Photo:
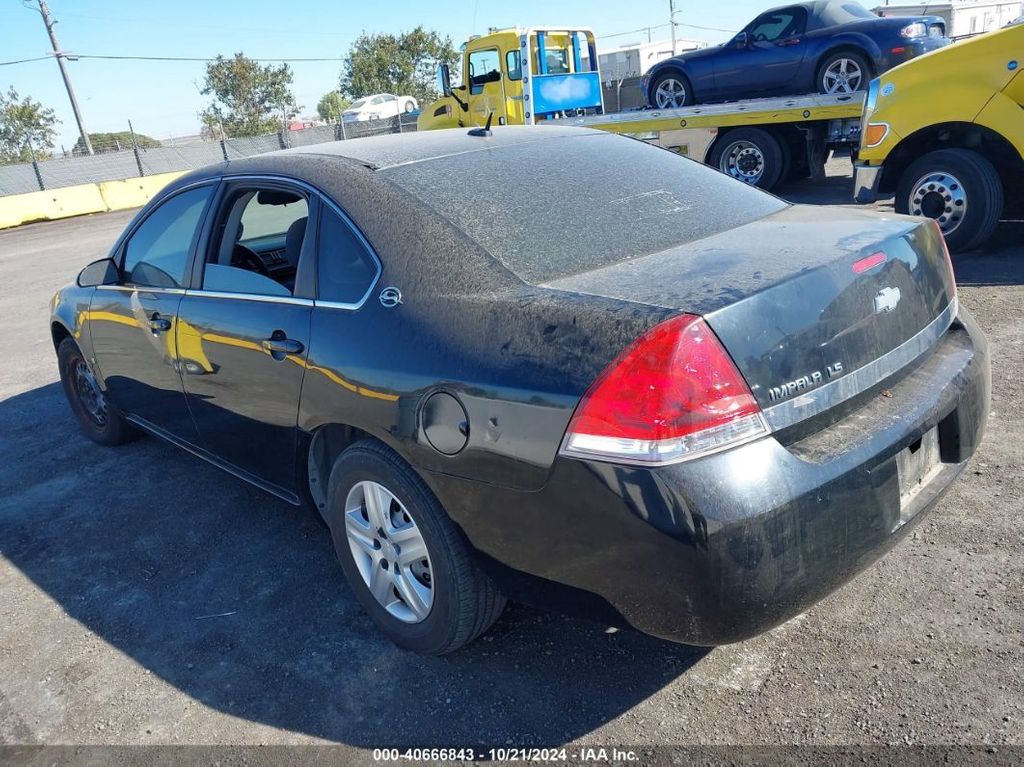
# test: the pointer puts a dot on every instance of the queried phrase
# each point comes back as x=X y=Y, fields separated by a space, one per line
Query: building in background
x=963 y=17
x=635 y=59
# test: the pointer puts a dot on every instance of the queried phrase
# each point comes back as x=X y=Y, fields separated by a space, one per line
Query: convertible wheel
x=404 y=558
x=98 y=419
x=843 y=72
x=958 y=188
x=670 y=90
x=751 y=155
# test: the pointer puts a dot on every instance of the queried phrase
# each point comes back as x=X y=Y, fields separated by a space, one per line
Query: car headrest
x=293 y=240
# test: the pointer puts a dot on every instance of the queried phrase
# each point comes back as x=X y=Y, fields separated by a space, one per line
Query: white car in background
x=379 y=107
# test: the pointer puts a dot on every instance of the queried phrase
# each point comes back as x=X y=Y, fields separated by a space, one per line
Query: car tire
x=409 y=106
x=751 y=155
x=98 y=419
x=664 y=79
x=833 y=63
x=461 y=601
x=958 y=188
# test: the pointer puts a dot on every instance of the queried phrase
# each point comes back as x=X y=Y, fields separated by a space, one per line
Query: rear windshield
x=553 y=208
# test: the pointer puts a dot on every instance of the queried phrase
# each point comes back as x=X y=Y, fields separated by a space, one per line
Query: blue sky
x=162 y=99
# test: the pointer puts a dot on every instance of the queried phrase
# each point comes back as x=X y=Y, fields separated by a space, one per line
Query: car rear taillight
x=673 y=394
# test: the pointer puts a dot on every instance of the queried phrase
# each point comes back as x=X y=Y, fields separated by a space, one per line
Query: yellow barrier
x=77 y=200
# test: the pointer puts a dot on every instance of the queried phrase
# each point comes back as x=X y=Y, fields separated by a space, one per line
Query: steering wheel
x=760 y=37
x=246 y=258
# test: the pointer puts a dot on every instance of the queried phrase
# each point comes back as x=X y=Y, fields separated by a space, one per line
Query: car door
x=243 y=332
x=769 y=59
x=133 y=324
x=486 y=87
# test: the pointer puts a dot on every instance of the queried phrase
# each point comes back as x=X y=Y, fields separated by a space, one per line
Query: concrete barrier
x=78 y=200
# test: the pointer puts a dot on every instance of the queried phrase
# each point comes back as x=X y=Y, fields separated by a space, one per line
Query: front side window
x=484 y=67
x=156 y=254
x=778 y=25
x=260 y=236
x=345 y=269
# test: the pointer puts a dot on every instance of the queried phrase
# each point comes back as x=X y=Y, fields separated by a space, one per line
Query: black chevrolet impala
x=551 y=364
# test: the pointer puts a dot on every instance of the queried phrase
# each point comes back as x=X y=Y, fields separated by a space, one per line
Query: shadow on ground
x=236 y=599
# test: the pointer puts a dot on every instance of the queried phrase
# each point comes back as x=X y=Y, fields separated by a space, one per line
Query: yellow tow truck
x=540 y=75
x=950 y=146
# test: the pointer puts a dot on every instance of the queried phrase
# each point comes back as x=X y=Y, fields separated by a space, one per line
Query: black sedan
x=825 y=46
x=630 y=387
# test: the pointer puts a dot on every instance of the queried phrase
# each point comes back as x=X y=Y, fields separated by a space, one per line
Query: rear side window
x=345 y=269
x=550 y=208
x=157 y=253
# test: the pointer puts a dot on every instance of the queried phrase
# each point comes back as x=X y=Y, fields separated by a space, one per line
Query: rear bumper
x=722 y=548
x=866 y=179
x=905 y=50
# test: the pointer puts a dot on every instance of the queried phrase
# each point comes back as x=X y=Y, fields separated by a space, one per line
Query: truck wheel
x=843 y=72
x=98 y=418
x=751 y=155
x=670 y=90
x=958 y=188
x=404 y=558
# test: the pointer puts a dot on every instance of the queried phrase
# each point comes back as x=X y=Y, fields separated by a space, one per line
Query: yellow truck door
x=486 y=86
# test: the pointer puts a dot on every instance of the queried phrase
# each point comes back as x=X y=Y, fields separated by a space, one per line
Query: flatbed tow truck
x=549 y=75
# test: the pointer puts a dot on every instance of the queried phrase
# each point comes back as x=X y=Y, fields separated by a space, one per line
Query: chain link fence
x=131 y=161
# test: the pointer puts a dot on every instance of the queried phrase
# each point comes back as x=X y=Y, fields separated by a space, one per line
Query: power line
x=190 y=58
x=23 y=61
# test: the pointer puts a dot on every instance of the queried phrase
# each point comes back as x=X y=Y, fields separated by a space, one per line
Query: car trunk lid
x=813 y=307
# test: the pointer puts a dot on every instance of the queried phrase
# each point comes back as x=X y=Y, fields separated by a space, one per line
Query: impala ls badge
x=390 y=298
x=812 y=380
x=886 y=300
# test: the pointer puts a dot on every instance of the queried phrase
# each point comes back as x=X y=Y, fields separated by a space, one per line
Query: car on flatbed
x=637 y=390
x=821 y=46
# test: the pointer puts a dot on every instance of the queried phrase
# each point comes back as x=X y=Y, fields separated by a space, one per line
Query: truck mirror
x=741 y=40
x=444 y=80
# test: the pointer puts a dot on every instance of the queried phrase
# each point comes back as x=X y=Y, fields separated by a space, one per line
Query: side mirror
x=102 y=272
x=444 y=80
x=741 y=40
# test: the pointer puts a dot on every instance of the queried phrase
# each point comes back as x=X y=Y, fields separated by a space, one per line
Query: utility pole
x=49 y=21
x=671 y=23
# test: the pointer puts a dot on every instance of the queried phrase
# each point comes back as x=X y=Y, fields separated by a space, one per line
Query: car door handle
x=158 y=324
x=282 y=346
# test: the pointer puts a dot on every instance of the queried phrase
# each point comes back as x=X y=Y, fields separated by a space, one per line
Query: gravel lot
x=146 y=597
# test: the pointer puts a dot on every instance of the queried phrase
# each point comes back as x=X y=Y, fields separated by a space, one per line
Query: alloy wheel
x=389 y=551
x=843 y=76
x=670 y=94
x=939 y=196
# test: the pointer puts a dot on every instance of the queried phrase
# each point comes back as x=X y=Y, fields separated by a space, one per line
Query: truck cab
x=944 y=133
x=519 y=77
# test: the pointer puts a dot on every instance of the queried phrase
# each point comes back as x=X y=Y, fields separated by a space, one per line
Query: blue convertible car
x=825 y=46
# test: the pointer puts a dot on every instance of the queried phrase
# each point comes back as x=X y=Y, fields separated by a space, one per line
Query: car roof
x=379 y=152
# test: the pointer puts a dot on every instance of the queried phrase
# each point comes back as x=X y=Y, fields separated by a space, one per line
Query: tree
x=331 y=106
x=115 y=142
x=403 y=64
x=248 y=99
x=24 y=121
